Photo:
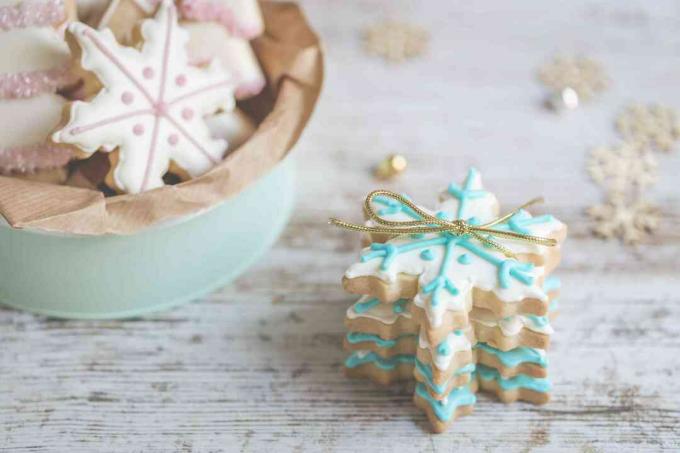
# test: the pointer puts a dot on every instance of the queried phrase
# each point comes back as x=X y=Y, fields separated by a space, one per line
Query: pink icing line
x=214 y=11
x=26 y=159
x=32 y=14
x=30 y=83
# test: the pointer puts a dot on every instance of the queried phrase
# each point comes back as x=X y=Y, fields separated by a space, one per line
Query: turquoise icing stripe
x=394 y=206
x=461 y=396
x=551 y=283
x=540 y=321
x=520 y=381
x=397 y=307
x=363 y=307
x=515 y=356
x=355 y=360
x=426 y=371
x=466 y=192
x=520 y=221
x=360 y=337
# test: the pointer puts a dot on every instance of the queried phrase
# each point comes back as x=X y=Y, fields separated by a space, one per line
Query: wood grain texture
x=256 y=366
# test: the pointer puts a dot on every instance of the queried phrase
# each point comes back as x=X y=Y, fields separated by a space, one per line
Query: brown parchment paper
x=291 y=58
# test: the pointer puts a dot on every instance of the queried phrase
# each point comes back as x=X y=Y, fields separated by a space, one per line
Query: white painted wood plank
x=257 y=365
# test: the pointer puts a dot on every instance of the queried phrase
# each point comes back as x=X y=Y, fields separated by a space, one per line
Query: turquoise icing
x=554 y=305
x=444 y=347
x=393 y=207
x=461 y=396
x=417 y=235
x=466 y=192
x=397 y=307
x=464 y=259
x=540 y=321
x=551 y=283
x=426 y=371
x=507 y=269
x=360 y=337
x=355 y=360
x=427 y=255
x=520 y=381
x=363 y=307
x=520 y=221
x=515 y=356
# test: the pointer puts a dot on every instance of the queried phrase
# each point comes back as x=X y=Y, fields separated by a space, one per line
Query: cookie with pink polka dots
x=149 y=113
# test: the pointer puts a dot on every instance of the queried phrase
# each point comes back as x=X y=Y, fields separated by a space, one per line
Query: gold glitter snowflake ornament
x=631 y=221
x=652 y=126
x=572 y=80
x=622 y=169
x=395 y=41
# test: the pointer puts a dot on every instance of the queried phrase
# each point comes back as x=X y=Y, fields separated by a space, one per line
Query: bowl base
x=106 y=277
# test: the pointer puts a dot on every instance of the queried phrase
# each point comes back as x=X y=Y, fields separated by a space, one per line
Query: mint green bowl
x=95 y=277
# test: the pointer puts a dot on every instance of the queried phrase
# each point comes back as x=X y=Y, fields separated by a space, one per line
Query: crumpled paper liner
x=292 y=60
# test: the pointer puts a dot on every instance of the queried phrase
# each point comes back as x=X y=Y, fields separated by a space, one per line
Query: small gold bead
x=392 y=166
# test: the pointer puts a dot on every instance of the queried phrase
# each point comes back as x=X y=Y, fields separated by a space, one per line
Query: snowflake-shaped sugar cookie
x=623 y=167
x=652 y=126
x=629 y=220
x=151 y=107
x=448 y=266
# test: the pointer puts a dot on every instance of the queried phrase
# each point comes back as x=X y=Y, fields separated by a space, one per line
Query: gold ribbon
x=431 y=224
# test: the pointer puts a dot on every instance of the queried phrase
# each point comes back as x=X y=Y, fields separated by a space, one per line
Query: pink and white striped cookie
x=24 y=147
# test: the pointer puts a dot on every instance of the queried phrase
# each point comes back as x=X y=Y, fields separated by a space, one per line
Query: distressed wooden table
x=257 y=365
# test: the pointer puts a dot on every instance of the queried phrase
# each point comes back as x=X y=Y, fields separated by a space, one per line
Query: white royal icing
x=512 y=325
x=151 y=106
x=381 y=312
x=452 y=343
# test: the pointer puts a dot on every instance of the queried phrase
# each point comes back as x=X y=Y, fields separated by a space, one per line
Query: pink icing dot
x=127 y=98
x=187 y=113
x=173 y=139
x=148 y=72
x=138 y=129
x=181 y=80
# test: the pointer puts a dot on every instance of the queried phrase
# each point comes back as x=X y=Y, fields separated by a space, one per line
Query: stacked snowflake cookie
x=451 y=312
x=34 y=65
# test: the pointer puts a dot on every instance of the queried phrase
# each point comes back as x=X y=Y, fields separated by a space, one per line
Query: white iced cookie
x=242 y=18
x=24 y=147
x=208 y=41
x=449 y=268
x=234 y=127
x=151 y=108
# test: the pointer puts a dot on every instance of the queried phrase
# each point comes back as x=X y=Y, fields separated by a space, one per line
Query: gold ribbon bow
x=431 y=224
